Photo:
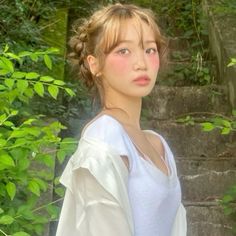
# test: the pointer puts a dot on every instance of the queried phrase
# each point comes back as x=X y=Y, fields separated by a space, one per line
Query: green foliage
x=28 y=143
x=31 y=18
x=225 y=124
x=228 y=202
x=192 y=71
x=25 y=15
x=232 y=62
x=188 y=120
x=225 y=7
x=185 y=20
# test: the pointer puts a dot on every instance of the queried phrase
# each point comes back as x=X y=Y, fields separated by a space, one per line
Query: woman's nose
x=140 y=61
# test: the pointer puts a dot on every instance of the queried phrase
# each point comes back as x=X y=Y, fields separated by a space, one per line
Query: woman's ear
x=93 y=64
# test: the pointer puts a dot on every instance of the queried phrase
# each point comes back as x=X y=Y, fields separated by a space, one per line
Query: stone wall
x=222 y=36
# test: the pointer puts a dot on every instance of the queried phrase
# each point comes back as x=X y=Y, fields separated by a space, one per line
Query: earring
x=98 y=74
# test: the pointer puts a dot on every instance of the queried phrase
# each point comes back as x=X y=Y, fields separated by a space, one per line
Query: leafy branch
x=29 y=143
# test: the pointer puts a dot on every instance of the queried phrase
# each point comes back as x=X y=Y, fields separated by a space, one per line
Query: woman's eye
x=123 y=51
x=151 y=50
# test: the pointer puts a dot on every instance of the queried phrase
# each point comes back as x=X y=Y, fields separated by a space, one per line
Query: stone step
x=206 y=178
x=204 y=165
x=207 y=219
x=189 y=141
x=209 y=185
x=169 y=102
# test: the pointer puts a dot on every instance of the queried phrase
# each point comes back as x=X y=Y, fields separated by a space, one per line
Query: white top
x=154 y=196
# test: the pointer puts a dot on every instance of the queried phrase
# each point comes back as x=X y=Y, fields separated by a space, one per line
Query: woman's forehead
x=127 y=29
x=132 y=30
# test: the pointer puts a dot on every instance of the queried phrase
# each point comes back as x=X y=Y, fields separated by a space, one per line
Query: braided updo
x=99 y=34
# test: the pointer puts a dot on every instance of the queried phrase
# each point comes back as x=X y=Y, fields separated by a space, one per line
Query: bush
x=28 y=143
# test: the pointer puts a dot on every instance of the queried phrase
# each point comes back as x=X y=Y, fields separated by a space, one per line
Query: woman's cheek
x=155 y=62
x=117 y=63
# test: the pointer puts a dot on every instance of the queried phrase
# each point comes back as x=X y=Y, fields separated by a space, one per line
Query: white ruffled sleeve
x=96 y=200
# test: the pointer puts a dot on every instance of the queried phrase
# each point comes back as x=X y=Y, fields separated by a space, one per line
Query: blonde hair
x=99 y=34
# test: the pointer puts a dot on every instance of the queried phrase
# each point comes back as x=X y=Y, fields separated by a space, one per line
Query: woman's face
x=130 y=60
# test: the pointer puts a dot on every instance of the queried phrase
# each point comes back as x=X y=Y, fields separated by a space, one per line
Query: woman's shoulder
x=103 y=127
x=108 y=130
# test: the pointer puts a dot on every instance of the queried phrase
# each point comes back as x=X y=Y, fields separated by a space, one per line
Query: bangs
x=114 y=22
x=116 y=26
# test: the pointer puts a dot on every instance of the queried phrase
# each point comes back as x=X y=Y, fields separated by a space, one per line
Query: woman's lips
x=142 y=80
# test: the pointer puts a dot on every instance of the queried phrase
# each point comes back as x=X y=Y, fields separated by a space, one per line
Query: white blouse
x=104 y=198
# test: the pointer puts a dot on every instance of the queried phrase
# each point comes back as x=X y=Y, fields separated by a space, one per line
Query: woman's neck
x=126 y=110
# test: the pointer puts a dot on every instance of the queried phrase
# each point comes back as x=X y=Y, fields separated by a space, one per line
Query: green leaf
x=24 y=53
x=26 y=212
x=11 y=190
x=6 y=48
x=225 y=130
x=35 y=131
x=23 y=163
x=8 y=123
x=18 y=75
x=59 y=82
x=22 y=85
x=207 y=126
x=6 y=220
x=232 y=62
x=34 y=57
x=52 y=50
x=226 y=123
x=14 y=112
x=61 y=155
x=1 y=210
x=6 y=64
x=29 y=92
x=32 y=75
x=21 y=141
x=34 y=187
x=20 y=233
x=13 y=56
x=53 y=90
x=4 y=72
x=2 y=87
x=6 y=161
x=53 y=211
x=3 y=117
x=46 y=79
x=45 y=159
x=17 y=133
x=29 y=121
x=9 y=83
x=39 y=89
x=70 y=92
x=57 y=180
x=60 y=191
x=42 y=184
x=47 y=61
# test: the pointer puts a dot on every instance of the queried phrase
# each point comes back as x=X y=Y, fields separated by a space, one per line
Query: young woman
x=122 y=180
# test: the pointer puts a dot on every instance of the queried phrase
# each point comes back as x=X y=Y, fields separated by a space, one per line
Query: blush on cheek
x=155 y=62
x=117 y=63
